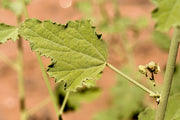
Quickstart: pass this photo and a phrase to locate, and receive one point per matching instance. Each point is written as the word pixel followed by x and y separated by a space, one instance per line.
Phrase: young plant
pixel 79 55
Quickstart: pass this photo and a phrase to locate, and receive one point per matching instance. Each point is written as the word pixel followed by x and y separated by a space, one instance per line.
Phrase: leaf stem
pixel 168 75
pixel 132 81
pixel 53 98
pixel 63 105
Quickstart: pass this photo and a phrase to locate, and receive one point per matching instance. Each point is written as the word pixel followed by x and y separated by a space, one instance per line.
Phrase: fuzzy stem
pixel 53 98
pixel 132 81
pixel 168 74
pixel 63 105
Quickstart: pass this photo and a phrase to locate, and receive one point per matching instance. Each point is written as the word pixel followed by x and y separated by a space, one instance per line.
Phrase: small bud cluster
pixel 149 70
pixel 151 67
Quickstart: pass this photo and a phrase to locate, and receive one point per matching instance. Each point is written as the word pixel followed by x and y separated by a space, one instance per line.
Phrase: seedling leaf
pixel 8 32
pixel 167 14
pixel 78 53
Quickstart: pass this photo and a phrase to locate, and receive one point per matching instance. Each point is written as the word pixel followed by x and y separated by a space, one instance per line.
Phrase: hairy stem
pixel 53 98
pixel 168 75
pixel 132 81
pixel 64 104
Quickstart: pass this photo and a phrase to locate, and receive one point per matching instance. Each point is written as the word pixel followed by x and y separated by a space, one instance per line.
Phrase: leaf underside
pixel 8 32
pixel 78 53
pixel 167 14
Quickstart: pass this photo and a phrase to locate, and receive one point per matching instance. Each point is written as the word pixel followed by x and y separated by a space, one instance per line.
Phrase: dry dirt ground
pixel 35 88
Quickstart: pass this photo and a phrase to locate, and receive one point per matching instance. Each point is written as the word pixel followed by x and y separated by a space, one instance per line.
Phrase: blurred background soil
pixel 35 88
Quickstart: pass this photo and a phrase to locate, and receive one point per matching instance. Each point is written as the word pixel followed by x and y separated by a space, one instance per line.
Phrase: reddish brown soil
pixel 35 88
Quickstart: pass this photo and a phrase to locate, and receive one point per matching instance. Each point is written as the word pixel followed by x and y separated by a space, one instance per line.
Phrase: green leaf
pixel 162 40
pixel 176 115
pixel 109 114
pixel 173 109
pixel 147 114
pixel 77 51
pixel 77 98
pixel 84 95
pixel 175 88
pixel 167 14
pixel 8 32
pixel 14 6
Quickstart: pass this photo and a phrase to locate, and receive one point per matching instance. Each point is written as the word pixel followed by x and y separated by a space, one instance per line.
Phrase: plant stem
pixel 63 105
pixel 168 74
pixel 21 80
pixel 132 81
pixel 53 98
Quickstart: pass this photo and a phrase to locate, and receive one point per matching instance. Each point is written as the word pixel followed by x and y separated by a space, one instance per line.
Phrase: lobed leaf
pixel 8 32
pixel 78 53
pixel 167 14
